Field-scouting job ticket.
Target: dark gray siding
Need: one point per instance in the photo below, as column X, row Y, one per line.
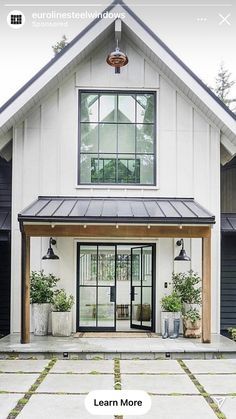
column 5, row 245
column 228, row 187
column 228, row 281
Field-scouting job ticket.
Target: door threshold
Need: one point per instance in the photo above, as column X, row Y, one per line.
column 131, row 334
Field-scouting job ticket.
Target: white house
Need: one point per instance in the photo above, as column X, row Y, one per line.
column 117, row 168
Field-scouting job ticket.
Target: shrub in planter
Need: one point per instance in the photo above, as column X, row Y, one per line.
column 232, row 331
column 186, row 285
column 61, row 314
column 171, row 309
column 192, row 324
column 41, row 294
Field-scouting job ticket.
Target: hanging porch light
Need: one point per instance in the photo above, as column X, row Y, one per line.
column 50, row 255
column 117, row 59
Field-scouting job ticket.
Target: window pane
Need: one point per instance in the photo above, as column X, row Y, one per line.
column 88, row 265
column 145, row 108
column 106, row 265
column 146, row 169
column 145, row 138
column 126, row 138
column 128, row 169
column 104, row 169
column 89, row 107
column 108, row 108
column 87, row 172
column 107, row 138
column 89, row 138
column 126, row 108
column 87, row 306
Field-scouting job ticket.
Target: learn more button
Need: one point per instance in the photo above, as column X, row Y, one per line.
column 118, row 402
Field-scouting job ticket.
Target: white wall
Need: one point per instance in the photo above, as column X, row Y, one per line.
column 45, row 163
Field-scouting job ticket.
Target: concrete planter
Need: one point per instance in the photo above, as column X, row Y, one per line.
column 192, row 330
column 61, row 323
column 171, row 316
column 40, row 318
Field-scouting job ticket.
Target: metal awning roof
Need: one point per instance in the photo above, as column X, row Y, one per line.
column 116, row 210
column 228, row 223
column 5, row 219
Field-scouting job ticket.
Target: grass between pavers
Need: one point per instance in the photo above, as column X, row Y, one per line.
column 202, row 391
column 117, row 380
column 24, row 400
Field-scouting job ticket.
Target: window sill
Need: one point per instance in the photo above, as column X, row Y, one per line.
column 118, row 187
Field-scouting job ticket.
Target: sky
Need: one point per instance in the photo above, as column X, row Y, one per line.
column 202, row 34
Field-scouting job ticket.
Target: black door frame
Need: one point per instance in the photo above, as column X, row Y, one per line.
column 115, row 244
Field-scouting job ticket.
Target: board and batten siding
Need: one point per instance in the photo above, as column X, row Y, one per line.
column 45, row 154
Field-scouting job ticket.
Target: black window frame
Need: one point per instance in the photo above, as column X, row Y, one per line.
column 119, row 92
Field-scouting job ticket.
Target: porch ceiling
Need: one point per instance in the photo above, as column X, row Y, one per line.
column 116, row 210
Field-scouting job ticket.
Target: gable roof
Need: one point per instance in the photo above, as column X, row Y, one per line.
column 176, row 70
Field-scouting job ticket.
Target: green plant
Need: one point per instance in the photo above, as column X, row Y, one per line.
column 171, row 303
column 42, row 287
column 61, row 302
column 193, row 315
column 186, row 285
column 232, row 331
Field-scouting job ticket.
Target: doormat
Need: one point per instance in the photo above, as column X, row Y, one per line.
column 115, row 335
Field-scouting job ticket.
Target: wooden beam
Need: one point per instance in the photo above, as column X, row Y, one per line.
column 25, row 289
column 124, row 231
column 206, row 289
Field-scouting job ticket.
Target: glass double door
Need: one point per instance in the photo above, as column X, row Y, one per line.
column 98, row 278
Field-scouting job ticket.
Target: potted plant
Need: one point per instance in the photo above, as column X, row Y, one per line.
column 192, row 324
column 41, row 294
column 61, row 313
column 171, row 315
column 186, row 285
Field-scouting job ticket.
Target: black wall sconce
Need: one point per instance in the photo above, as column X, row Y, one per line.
column 50, row 253
column 182, row 254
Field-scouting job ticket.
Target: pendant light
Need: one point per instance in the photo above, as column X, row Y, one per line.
column 117, row 59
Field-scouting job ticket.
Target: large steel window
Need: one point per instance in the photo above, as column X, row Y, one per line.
column 117, row 138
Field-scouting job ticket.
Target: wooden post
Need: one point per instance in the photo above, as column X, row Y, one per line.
column 206, row 289
column 25, row 289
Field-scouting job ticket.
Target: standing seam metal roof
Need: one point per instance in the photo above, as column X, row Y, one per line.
column 116, row 210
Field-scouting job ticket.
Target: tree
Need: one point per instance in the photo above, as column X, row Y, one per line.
column 223, row 85
column 60, row 45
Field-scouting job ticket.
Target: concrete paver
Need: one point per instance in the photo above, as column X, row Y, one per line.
column 178, row 407
column 70, row 383
column 7, row 403
column 228, row 406
column 17, row 382
column 84, row 366
column 150, row 367
column 159, row 384
column 212, row 366
column 215, row 384
column 23, row 365
column 55, row 406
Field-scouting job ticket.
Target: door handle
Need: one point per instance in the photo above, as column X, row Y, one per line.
column 112, row 294
column 133, row 293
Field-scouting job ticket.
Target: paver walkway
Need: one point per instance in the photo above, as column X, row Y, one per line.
column 56, row 389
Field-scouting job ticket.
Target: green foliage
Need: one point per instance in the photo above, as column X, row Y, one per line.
column 42, row 287
column 171, row 303
column 186, row 285
column 232, row 331
column 60, row 45
column 224, row 84
column 61, row 302
column 193, row 315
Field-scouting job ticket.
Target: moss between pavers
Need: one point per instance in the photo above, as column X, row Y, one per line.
column 202, row 391
column 24, row 400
